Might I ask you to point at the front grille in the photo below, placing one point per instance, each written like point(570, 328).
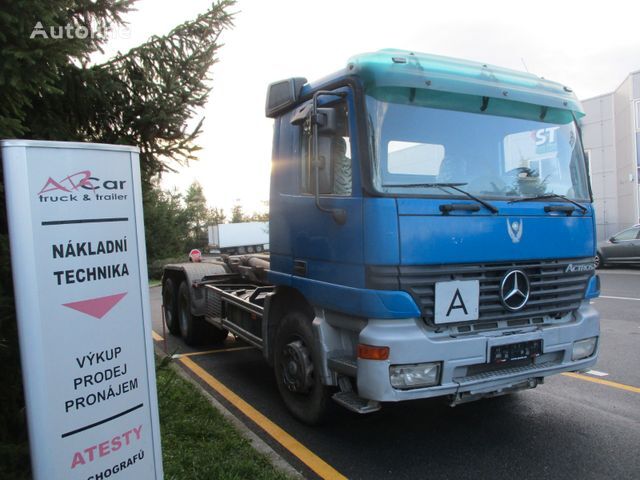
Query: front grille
point(554, 290)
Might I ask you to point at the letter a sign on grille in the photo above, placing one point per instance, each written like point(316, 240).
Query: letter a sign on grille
point(457, 301)
point(82, 299)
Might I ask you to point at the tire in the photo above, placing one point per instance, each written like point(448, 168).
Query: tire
point(598, 261)
point(191, 327)
point(304, 394)
point(170, 306)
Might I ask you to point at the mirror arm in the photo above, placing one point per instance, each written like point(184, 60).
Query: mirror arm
point(339, 214)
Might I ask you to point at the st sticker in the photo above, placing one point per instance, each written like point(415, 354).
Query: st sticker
point(457, 301)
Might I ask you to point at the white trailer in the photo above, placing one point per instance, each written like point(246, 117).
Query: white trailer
point(239, 238)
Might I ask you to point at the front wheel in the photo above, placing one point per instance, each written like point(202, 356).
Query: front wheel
point(297, 370)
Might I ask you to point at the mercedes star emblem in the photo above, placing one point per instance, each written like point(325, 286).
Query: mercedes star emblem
point(515, 290)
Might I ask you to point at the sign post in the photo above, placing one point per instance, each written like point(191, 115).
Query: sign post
point(82, 299)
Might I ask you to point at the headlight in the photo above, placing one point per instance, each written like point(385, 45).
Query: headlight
point(414, 376)
point(583, 348)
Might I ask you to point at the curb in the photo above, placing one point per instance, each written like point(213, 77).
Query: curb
point(256, 442)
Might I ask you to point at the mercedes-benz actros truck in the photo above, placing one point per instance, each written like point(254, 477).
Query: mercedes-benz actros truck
point(431, 234)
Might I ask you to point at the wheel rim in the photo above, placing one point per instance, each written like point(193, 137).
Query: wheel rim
point(296, 367)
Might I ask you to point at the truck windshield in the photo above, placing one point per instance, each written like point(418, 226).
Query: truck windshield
point(495, 156)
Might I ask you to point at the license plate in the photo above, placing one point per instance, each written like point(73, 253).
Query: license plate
point(516, 351)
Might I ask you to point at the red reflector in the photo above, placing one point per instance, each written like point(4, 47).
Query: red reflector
point(369, 352)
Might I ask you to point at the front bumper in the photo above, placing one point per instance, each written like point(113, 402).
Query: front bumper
point(465, 358)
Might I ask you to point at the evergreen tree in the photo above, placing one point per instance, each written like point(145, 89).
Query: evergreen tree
point(34, 66)
point(166, 222)
point(259, 217)
point(197, 213)
point(144, 97)
point(49, 90)
point(237, 215)
point(216, 216)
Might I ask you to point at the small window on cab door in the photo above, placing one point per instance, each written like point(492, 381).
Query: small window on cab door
point(334, 153)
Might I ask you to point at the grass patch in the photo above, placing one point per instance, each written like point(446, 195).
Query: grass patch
point(197, 442)
point(154, 282)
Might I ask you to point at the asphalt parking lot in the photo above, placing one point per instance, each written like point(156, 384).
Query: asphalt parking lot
point(574, 426)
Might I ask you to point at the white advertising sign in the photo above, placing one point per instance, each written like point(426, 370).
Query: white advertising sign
point(82, 299)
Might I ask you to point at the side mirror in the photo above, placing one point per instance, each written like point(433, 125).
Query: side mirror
point(613, 240)
point(283, 95)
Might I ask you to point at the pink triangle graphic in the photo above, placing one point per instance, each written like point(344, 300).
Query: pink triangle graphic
point(96, 307)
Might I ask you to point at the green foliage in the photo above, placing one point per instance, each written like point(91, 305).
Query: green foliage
point(196, 211)
point(216, 216)
point(238, 215)
point(31, 67)
point(259, 217)
point(145, 97)
point(165, 224)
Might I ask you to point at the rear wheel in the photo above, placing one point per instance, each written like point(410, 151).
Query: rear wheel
point(191, 326)
point(170, 306)
point(297, 369)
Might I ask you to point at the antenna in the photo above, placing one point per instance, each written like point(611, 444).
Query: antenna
point(525, 65)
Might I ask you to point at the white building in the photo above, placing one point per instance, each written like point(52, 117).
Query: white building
point(611, 135)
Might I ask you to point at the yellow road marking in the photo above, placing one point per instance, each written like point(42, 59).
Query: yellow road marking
point(207, 352)
point(608, 383)
point(315, 463)
point(156, 337)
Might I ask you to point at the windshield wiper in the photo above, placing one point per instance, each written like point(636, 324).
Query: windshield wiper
point(453, 186)
point(550, 196)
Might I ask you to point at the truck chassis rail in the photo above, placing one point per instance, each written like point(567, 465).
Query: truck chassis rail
point(222, 298)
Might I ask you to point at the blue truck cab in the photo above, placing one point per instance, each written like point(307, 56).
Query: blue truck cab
point(432, 234)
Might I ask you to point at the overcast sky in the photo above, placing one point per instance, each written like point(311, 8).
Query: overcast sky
point(590, 46)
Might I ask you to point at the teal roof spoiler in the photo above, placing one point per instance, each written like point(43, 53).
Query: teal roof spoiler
point(402, 68)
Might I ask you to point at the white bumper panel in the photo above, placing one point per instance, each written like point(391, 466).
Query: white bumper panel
point(463, 357)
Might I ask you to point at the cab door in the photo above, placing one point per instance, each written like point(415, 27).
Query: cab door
point(325, 249)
